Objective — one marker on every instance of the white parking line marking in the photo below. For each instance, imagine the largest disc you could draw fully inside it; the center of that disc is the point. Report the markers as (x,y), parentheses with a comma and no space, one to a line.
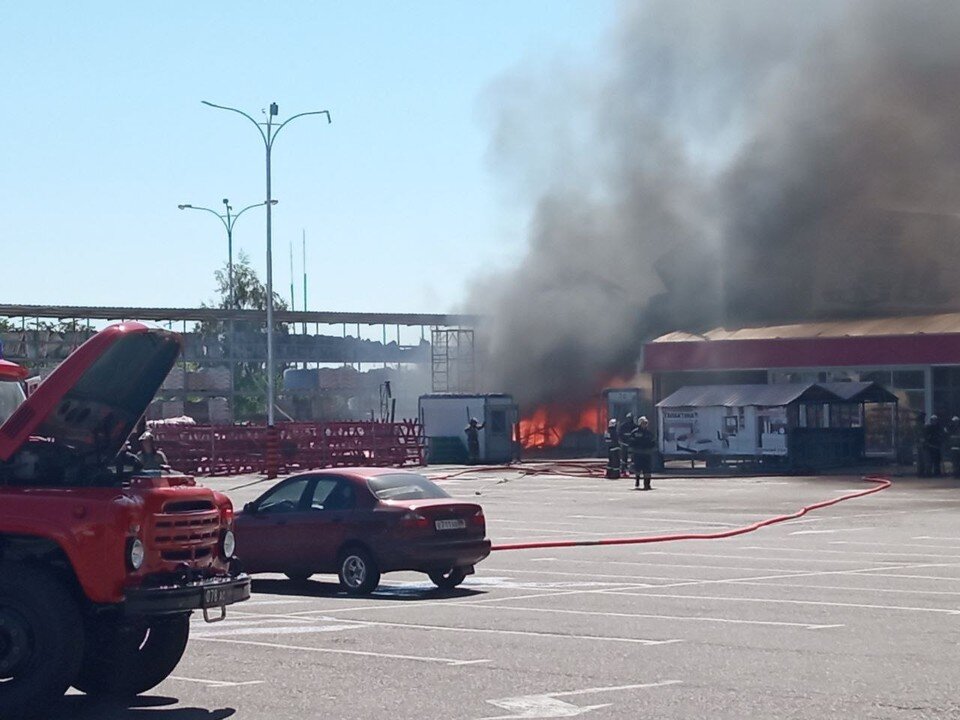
(333,651)
(641,686)
(851,588)
(884,553)
(761,559)
(685,566)
(693,618)
(502,631)
(781,601)
(275,630)
(659,519)
(900,544)
(826,532)
(215,683)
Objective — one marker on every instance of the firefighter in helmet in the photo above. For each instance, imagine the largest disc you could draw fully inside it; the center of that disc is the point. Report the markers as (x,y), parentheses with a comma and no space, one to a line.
(626,430)
(643,445)
(612,439)
(472,432)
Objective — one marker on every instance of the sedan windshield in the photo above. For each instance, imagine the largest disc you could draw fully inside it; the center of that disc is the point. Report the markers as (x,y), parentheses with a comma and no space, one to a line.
(405,487)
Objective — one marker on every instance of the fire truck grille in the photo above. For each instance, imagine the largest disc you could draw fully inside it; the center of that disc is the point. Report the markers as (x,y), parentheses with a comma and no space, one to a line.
(186,537)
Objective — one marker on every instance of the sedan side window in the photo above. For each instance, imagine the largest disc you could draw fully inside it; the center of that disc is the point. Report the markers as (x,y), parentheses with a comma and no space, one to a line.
(321,492)
(285,498)
(343,497)
(333,494)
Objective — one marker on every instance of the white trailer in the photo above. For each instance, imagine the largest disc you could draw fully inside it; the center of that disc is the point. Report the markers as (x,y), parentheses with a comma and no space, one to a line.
(445,416)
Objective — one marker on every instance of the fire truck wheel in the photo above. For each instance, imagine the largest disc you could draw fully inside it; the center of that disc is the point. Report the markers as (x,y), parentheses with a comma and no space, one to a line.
(40,645)
(447,580)
(126,659)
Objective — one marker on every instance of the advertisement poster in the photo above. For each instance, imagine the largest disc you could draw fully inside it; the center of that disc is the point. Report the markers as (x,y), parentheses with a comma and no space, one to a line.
(693,431)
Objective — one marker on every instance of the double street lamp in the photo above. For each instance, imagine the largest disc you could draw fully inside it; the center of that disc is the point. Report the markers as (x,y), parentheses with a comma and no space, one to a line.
(228,221)
(268,133)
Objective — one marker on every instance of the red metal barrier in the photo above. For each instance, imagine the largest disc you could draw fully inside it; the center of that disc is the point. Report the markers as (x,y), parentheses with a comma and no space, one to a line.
(236,449)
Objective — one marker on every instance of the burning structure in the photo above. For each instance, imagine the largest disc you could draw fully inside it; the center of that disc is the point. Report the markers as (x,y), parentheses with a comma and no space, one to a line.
(723,164)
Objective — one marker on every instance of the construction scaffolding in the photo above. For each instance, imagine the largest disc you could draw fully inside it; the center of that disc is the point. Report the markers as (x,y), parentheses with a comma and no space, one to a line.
(453,360)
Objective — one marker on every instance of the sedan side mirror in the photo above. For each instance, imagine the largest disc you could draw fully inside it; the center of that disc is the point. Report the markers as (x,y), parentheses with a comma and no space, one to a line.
(250,507)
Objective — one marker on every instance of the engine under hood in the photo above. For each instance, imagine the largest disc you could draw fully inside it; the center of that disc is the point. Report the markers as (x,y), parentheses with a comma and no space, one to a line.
(95,397)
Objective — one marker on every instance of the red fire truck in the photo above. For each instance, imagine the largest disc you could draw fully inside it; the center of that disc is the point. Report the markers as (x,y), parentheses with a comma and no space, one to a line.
(101,565)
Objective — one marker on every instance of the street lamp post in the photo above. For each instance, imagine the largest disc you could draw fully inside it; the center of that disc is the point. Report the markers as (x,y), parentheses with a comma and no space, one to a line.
(228,221)
(268,133)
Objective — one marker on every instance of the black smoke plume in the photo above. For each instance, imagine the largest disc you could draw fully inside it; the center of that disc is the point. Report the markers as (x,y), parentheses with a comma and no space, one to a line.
(725,163)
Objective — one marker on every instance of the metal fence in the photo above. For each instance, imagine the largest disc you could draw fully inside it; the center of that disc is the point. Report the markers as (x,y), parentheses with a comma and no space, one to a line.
(237,449)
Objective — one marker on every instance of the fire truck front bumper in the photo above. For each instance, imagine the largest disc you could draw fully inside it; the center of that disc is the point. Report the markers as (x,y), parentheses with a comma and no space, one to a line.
(206,595)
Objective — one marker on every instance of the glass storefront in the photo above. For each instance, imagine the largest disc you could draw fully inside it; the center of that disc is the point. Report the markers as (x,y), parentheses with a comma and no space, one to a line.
(883,434)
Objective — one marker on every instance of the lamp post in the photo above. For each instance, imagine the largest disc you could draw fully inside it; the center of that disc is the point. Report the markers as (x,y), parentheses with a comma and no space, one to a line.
(228,221)
(268,133)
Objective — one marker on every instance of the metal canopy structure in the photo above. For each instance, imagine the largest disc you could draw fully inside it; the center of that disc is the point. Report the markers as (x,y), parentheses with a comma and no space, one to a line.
(323,317)
(220,342)
(748,395)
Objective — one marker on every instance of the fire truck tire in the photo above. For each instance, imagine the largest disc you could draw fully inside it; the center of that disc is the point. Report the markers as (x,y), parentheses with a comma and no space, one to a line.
(447,580)
(126,659)
(41,644)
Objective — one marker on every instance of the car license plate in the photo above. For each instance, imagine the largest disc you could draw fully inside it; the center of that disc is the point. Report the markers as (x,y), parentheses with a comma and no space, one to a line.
(450,524)
(214,597)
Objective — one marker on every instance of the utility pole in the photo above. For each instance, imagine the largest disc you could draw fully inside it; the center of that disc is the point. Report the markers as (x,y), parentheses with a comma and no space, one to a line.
(228,221)
(268,133)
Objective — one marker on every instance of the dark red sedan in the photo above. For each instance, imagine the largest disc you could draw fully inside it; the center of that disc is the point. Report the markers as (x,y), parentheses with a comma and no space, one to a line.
(359,523)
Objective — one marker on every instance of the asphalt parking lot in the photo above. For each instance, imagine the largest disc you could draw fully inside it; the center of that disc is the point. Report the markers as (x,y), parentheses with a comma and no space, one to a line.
(848,612)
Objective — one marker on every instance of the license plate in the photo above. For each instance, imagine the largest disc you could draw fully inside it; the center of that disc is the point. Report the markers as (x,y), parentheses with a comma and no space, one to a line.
(214,597)
(450,524)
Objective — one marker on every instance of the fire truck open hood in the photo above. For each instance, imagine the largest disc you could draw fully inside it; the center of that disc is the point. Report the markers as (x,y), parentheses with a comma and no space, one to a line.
(95,397)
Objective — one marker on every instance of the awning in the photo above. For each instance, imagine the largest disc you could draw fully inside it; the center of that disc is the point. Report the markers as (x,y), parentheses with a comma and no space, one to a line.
(744,395)
(861,392)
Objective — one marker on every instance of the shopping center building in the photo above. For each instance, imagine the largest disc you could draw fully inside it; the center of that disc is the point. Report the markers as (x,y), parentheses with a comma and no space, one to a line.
(917,358)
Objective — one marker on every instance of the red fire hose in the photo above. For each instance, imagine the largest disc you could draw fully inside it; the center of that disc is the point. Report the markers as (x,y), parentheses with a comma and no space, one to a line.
(880,483)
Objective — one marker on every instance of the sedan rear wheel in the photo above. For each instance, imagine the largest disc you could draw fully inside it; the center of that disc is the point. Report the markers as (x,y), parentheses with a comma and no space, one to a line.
(359,574)
(447,580)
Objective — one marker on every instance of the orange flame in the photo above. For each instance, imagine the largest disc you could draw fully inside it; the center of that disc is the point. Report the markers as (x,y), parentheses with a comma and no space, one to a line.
(547,425)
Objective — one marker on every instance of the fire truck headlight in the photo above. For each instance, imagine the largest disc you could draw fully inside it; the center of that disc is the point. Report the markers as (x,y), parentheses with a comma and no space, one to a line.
(228,544)
(136,553)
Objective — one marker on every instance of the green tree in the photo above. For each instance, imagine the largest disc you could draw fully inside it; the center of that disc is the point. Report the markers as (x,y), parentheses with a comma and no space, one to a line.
(250,293)
(241,338)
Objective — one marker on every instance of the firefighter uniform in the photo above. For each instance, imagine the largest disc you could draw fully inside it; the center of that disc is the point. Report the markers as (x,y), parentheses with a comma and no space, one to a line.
(612,440)
(642,444)
(626,430)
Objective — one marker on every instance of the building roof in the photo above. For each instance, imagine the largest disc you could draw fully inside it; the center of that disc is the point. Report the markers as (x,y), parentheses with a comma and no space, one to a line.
(745,395)
(946,323)
(897,341)
(870,392)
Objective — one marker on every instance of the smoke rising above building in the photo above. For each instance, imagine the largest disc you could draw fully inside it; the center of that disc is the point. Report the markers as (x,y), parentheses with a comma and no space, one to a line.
(722,164)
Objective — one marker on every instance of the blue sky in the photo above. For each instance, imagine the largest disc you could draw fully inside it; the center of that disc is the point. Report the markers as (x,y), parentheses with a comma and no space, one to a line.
(105,135)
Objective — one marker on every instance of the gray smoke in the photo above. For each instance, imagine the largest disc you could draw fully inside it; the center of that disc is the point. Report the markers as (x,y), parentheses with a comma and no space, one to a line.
(725,163)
